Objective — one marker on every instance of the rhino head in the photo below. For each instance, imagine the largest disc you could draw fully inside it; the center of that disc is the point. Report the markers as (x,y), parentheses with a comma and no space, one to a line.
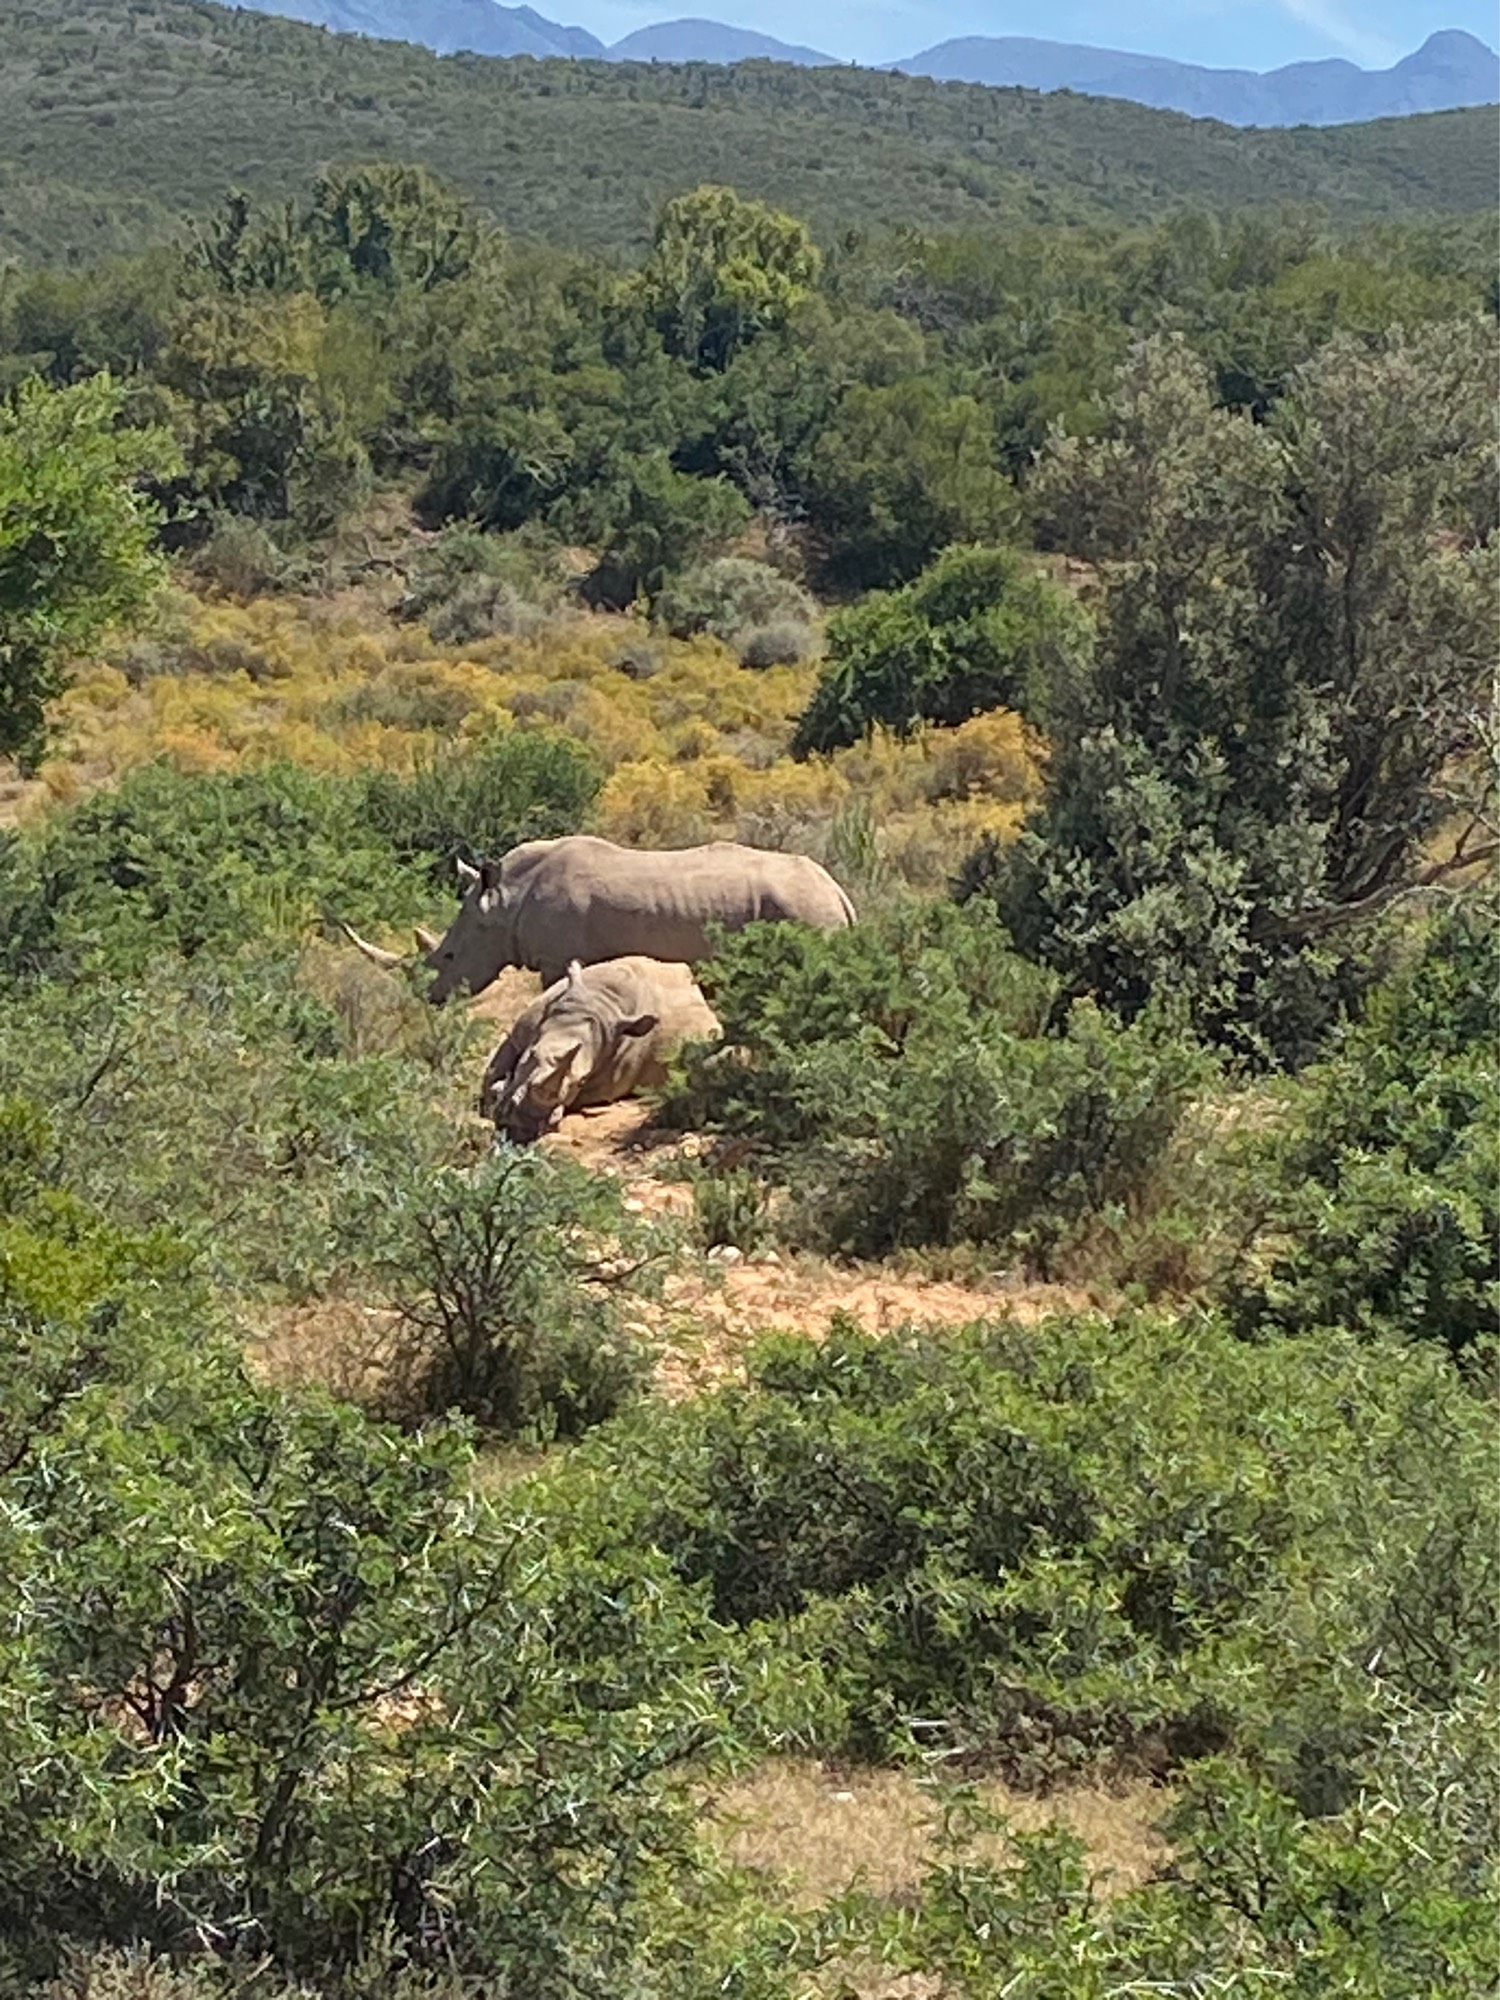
(574,1039)
(475,948)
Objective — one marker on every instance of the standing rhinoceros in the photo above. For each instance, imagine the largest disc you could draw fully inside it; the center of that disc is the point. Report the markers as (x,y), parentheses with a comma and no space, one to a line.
(600,1033)
(551,901)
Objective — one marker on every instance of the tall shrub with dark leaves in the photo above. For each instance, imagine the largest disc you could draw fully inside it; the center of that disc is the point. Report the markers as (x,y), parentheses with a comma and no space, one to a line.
(1288,697)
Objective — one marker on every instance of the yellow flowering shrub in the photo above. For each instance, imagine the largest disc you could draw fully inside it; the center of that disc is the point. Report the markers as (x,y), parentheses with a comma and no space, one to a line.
(695,746)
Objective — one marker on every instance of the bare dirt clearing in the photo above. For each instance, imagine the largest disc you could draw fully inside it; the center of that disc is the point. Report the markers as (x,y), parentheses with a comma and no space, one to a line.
(712,1308)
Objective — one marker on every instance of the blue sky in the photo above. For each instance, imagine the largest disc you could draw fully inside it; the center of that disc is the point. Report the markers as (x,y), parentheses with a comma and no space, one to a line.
(1237,34)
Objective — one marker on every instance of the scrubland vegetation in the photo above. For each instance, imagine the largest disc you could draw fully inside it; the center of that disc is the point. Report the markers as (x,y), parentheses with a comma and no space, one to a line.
(1113,611)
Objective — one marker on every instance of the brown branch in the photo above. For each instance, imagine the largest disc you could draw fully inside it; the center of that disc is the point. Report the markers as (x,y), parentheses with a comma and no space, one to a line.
(1332,916)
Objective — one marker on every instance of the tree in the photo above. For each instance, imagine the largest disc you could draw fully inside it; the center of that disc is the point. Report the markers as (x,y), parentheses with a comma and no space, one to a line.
(723,270)
(1283,729)
(649,520)
(981,629)
(76,540)
(269,405)
(899,473)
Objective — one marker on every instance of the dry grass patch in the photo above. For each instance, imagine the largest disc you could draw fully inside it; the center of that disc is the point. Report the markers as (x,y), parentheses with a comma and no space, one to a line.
(814,1831)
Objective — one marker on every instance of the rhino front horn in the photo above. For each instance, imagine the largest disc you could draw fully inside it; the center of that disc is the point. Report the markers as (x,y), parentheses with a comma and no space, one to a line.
(390,960)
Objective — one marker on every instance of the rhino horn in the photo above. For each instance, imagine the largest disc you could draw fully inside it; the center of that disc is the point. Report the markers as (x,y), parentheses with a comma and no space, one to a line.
(390,960)
(468,874)
(426,940)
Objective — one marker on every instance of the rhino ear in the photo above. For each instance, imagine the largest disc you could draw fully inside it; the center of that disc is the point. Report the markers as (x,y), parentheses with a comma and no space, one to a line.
(468,874)
(575,975)
(641,1025)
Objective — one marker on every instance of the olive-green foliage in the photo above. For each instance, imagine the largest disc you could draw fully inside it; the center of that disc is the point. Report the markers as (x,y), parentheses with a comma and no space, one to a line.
(648,519)
(900,472)
(733,597)
(722,271)
(467,585)
(1087,1538)
(476,803)
(275,1688)
(191,864)
(908,1080)
(1381,1184)
(180,864)
(224,1101)
(982,628)
(1288,690)
(729,1208)
(111,101)
(76,550)
(382,328)
(1390,1897)
(504,1313)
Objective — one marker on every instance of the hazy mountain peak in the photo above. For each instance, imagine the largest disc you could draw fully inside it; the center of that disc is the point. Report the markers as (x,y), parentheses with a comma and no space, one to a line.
(695,40)
(1450,69)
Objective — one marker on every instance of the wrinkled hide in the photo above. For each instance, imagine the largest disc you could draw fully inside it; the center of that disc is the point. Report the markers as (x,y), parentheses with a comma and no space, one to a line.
(600,1033)
(550,902)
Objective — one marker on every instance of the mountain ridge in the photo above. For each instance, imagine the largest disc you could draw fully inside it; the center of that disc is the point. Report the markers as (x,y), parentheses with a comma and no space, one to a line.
(121,119)
(1451,70)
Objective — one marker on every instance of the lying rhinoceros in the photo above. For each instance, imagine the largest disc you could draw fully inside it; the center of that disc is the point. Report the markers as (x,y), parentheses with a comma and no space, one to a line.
(600,1033)
(551,901)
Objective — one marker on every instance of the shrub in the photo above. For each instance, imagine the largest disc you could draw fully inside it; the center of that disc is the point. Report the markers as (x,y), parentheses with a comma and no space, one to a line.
(1087,1539)
(981,629)
(278,1690)
(228,1103)
(649,521)
(467,585)
(784,644)
(905,1078)
(729,1208)
(1381,1187)
(502,1311)
(242,558)
(479,801)
(730,596)
(1388,1898)
(189,864)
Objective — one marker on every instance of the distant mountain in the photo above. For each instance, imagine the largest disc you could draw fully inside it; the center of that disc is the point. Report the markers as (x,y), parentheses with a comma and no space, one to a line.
(711,42)
(445,25)
(1450,70)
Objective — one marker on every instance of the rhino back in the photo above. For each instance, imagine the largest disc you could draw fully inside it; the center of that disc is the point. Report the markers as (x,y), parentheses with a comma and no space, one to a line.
(582,897)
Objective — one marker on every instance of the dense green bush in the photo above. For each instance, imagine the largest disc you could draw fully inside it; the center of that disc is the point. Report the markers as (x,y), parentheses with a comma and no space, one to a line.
(270,1128)
(1287,700)
(909,1084)
(1087,1539)
(982,628)
(76,539)
(169,862)
(190,864)
(478,801)
(275,1688)
(1390,1898)
(1381,1181)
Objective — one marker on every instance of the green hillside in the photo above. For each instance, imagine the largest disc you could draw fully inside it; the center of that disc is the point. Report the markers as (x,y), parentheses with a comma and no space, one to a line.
(143,109)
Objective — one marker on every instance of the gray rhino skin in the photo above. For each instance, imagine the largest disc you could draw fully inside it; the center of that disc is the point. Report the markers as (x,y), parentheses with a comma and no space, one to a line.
(551,901)
(600,1033)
